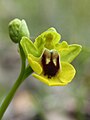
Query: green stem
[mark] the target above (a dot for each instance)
(28, 71)
(21, 77)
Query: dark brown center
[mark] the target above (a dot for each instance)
(50, 63)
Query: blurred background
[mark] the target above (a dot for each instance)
(34, 100)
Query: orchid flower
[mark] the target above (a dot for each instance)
(51, 59)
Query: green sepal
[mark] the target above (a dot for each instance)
(28, 47)
(23, 30)
(49, 38)
(61, 46)
(68, 55)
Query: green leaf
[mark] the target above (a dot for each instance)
(71, 53)
(28, 47)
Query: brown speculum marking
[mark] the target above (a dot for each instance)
(50, 63)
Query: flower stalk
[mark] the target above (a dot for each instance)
(18, 82)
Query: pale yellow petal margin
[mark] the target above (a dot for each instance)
(49, 82)
(34, 64)
(67, 73)
(62, 78)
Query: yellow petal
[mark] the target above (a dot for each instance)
(42, 79)
(34, 65)
(67, 73)
(62, 78)
(50, 82)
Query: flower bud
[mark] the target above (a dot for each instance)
(18, 29)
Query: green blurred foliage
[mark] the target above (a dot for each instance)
(71, 18)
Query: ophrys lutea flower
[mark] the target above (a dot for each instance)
(50, 59)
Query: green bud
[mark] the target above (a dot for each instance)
(18, 29)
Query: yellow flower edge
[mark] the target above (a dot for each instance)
(67, 73)
(34, 63)
(62, 78)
